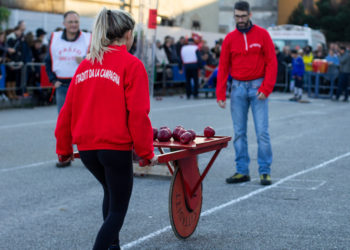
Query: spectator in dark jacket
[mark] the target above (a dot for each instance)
(344, 76)
(281, 69)
(179, 45)
(170, 50)
(15, 41)
(216, 50)
(3, 52)
(41, 35)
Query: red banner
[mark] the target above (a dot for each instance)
(152, 20)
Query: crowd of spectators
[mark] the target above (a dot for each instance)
(338, 62)
(17, 48)
(168, 53)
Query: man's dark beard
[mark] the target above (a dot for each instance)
(243, 25)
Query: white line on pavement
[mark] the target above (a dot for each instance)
(38, 164)
(184, 106)
(239, 199)
(26, 124)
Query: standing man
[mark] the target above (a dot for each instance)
(344, 75)
(248, 54)
(66, 50)
(191, 59)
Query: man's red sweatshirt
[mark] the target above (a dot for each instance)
(107, 107)
(247, 56)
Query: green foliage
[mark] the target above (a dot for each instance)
(298, 15)
(4, 15)
(332, 19)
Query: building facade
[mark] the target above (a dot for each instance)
(202, 15)
(264, 13)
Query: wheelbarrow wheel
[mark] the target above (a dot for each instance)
(183, 219)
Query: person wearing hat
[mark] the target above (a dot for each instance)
(41, 35)
(191, 62)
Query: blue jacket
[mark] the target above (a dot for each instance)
(298, 67)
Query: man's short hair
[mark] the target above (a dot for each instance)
(294, 51)
(70, 12)
(342, 48)
(242, 6)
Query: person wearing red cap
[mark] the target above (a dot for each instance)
(106, 115)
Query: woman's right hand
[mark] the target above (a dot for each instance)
(154, 160)
(145, 162)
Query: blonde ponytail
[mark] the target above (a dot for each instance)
(109, 26)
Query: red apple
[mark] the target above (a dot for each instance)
(155, 133)
(165, 127)
(209, 132)
(186, 137)
(164, 135)
(193, 133)
(181, 131)
(176, 131)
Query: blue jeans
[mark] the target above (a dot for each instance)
(61, 93)
(243, 95)
(343, 85)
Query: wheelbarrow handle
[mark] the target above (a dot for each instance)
(144, 162)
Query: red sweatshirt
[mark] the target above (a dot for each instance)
(107, 107)
(247, 56)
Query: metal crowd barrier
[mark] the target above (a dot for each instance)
(176, 77)
(44, 82)
(313, 83)
(24, 76)
(285, 84)
(14, 65)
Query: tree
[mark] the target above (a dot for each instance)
(4, 15)
(332, 18)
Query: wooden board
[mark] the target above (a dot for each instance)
(159, 170)
(199, 142)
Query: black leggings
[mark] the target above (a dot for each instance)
(113, 169)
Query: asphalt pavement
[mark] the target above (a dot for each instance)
(306, 207)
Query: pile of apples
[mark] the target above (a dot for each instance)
(179, 134)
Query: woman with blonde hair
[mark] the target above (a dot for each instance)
(106, 115)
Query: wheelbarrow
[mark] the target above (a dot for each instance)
(185, 193)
